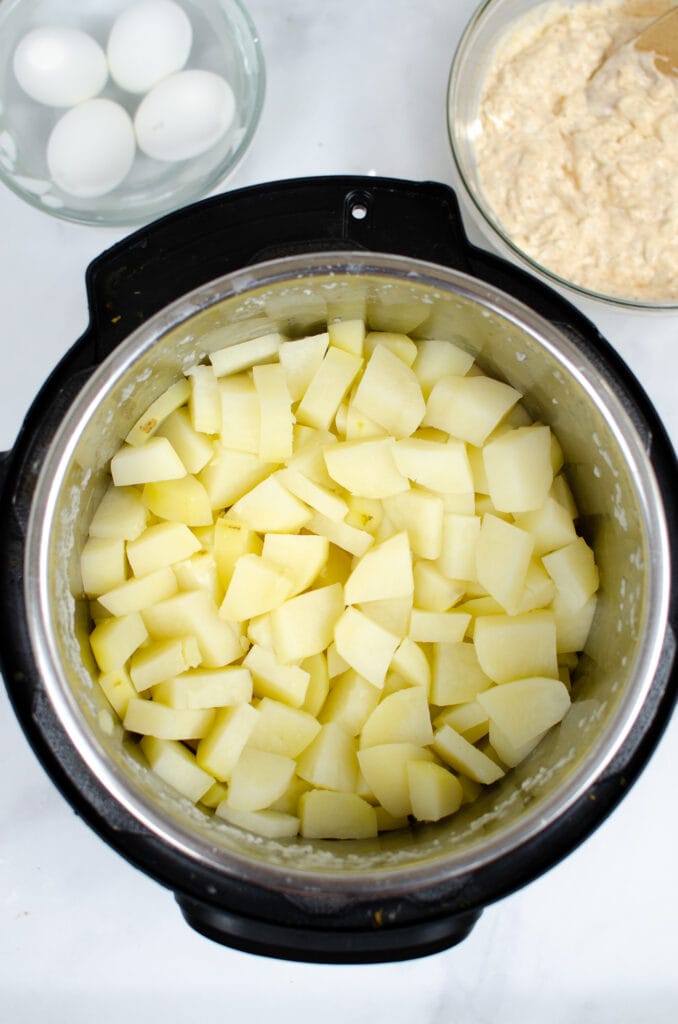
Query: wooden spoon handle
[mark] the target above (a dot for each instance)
(661, 38)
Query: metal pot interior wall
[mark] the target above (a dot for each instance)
(608, 471)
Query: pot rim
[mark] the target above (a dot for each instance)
(536, 819)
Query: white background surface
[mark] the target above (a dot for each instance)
(354, 86)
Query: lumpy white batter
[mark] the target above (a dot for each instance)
(578, 153)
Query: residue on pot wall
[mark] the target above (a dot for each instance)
(578, 148)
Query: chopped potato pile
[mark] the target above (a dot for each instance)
(336, 583)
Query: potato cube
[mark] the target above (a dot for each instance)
(385, 771)
(194, 449)
(469, 720)
(267, 823)
(456, 674)
(176, 765)
(358, 425)
(163, 659)
(509, 753)
(350, 702)
(385, 571)
(156, 460)
(194, 613)
(115, 640)
(231, 474)
(286, 683)
(327, 388)
(258, 779)
(275, 412)
(282, 729)
(392, 613)
(300, 361)
(318, 684)
(158, 411)
(313, 494)
(366, 646)
(457, 559)
(389, 393)
(161, 545)
(329, 761)
(518, 468)
(572, 626)
(118, 688)
(214, 795)
(438, 627)
(206, 688)
(236, 358)
(401, 717)
(240, 415)
(464, 757)
(340, 535)
(388, 822)
(348, 335)
(574, 572)
(526, 708)
(551, 526)
(420, 513)
(469, 408)
(444, 468)
(204, 403)
(539, 589)
(180, 501)
(366, 468)
(256, 587)
(393, 342)
(302, 556)
(516, 646)
(154, 719)
(434, 592)
(435, 792)
(411, 664)
(503, 554)
(199, 572)
(121, 514)
(325, 815)
(135, 594)
(102, 564)
(304, 625)
(288, 803)
(438, 358)
(270, 508)
(219, 750)
(231, 540)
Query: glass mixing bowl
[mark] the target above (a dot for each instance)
(488, 27)
(224, 42)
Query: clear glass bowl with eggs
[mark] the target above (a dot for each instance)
(117, 111)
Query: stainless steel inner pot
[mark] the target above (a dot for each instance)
(610, 474)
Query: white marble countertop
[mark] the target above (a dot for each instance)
(353, 87)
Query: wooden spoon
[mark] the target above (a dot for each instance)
(661, 38)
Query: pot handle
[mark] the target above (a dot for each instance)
(170, 257)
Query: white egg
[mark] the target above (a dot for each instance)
(91, 149)
(148, 41)
(184, 115)
(60, 66)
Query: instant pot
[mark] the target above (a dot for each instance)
(290, 256)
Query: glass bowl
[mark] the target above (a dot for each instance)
(485, 31)
(224, 41)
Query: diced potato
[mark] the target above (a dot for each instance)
(194, 449)
(438, 627)
(150, 718)
(539, 589)
(385, 571)
(350, 702)
(329, 762)
(163, 659)
(282, 729)
(464, 757)
(342, 535)
(327, 388)
(402, 717)
(176, 765)
(420, 514)
(324, 815)
(199, 572)
(389, 393)
(206, 688)
(395, 343)
(180, 501)
(437, 358)
(230, 475)
(135, 594)
(319, 498)
(392, 613)
(359, 426)
(115, 640)
(388, 822)
(270, 508)
(574, 572)
(434, 592)
(503, 554)
(219, 750)
(308, 458)
(572, 626)
(194, 613)
(231, 540)
(457, 560)
(255, 587)
(302, 556)
(348, 335)
(301, 359)
(385, 771)
(214, 795)
(240, 415)
(318, 684)
(526, 708)
(518, 468)
(367, 647)
(158, 411)
(551, 526)
(121, 513)
(102, 564)
(118, 688)
(238, 357)
(411, 664)
(456, 674)
(516, 646)
(335, 663)
(288, 803)
(561, 493)
(161, 545)
(366, 468)
(275, 412)
(258, 779)
(469, 720)
(267, 823)
(304, 625)
(469, 408)
(434, 792)
(286, 683)
(155, 460)
(439, 467)
(204, 403)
